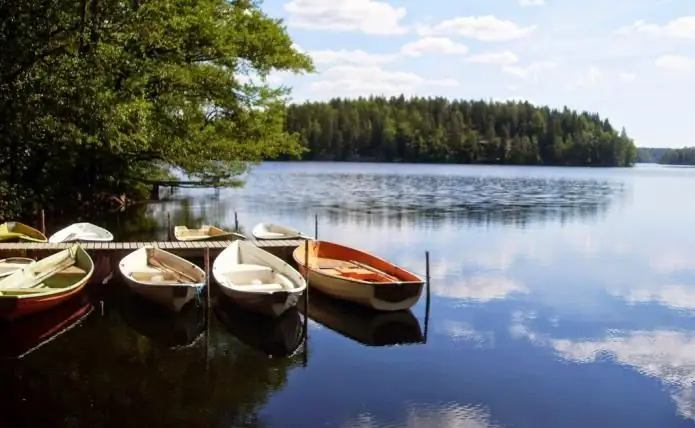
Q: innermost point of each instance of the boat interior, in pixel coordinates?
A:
(12, 264)
(162, 270)
(203, 231)
(353, 270)
(257, 278)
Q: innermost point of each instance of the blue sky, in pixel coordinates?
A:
(632, 61)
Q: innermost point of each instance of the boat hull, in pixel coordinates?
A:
(273, 305)
(14, 231)
(269, 232)
(401, 294)
(81, 232)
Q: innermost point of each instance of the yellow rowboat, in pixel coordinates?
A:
(205, 233)
(14, 231)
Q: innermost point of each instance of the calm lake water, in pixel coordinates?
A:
(561, 297)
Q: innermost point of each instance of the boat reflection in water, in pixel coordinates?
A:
(170, 329)
(274, 336)
(366, 326)
(28, 334)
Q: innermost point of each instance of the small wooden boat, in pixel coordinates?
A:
(205, 233)
(275, 337)
(45, 284)
(12, 264)
(14, 231)
(267, 231)
(256, 279)
(354, 275)
(162, 277)
(27, 335)
(364, 325)
(84, 232)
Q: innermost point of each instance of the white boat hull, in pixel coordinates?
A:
(269, 231)
(83, 232)
(257, 280)
(149, 281)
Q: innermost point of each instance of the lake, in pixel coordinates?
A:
(560, 297)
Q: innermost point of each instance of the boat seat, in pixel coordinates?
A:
(263, 287)
(272, 234)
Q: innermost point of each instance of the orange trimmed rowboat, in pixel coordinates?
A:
(354, 275)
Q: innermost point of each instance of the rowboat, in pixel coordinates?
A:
(45, 284)
(85, 232)
(256, 279)
(205, 233)
(13, 264)
(173, 330)
(354, 275)
(162, 277)
(275, 337)
(267, 231)
(14, 231)
(31, 333)
(364, 325)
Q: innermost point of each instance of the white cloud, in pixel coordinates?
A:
(591, 78)
(352, 80)
(531, 71)
(344, 56)
(485, 28)
(440, 45)
(496, 58)
(628, 77)
(532, 2)
(679, 28)
(367, 16)
(676, 63)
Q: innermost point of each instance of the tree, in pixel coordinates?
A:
(103, 93)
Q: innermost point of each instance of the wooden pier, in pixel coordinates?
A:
(281, 248)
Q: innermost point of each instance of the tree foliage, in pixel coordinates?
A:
(439, 130)
(95, 94)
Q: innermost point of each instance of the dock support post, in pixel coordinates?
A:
(208, 309)
(316, 226)
(42, 221)
(236, 222)
(305, 354)
(427, 284)
(169, 231)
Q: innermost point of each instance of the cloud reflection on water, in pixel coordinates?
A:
(450, 415)
(666, 355)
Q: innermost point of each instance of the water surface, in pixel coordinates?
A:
(560, 297)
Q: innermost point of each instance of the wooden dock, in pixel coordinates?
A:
(281, 248)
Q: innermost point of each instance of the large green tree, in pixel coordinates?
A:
(96, 95)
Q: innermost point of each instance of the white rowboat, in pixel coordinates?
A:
(162, 277)
(256, 279)
(268, 231)
(85, 232)
(12, 264)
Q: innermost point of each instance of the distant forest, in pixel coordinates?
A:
(683, 156)
(437, 130)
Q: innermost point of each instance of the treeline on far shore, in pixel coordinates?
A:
(438, 130)
(666, 156)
